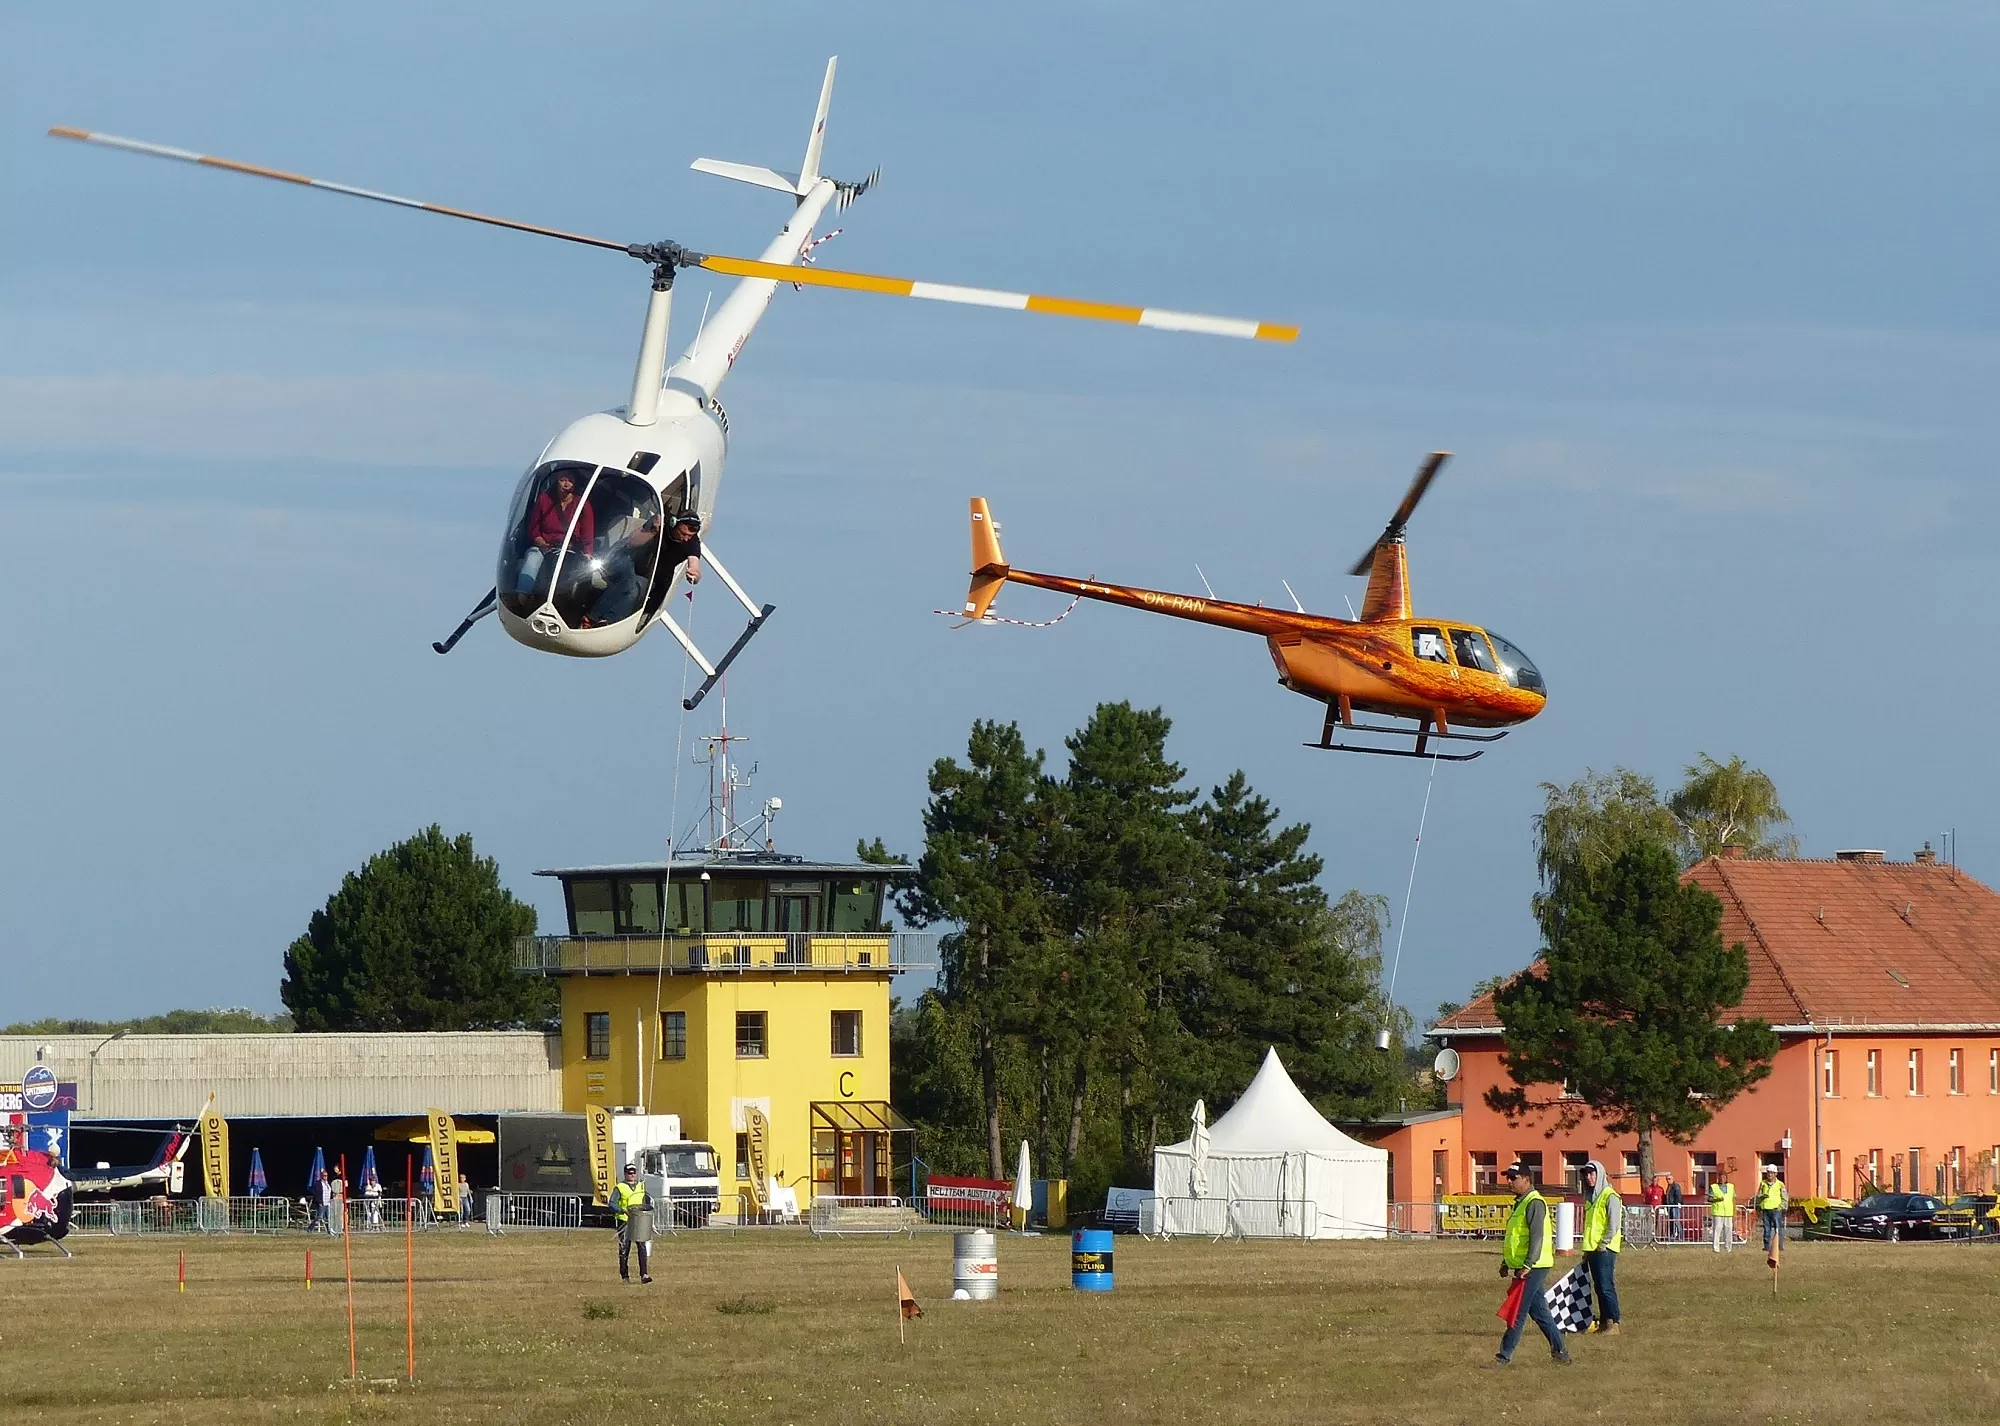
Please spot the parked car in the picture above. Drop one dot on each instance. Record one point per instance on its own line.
(1889, 1217)
(1967, 1216)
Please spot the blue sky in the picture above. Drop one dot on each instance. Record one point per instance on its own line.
(1700, 296)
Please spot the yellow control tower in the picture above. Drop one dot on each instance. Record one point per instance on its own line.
(731, 982)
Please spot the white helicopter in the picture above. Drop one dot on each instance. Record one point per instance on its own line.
(580, 567)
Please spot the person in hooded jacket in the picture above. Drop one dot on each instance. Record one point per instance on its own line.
(1603, 1236)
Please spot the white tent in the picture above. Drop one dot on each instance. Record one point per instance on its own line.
(1273, 1169)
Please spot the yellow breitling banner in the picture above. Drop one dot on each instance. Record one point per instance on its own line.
(601, 1150)
(1474, 1213)
(759, 1135)
(444, 1154)
(214, 1153)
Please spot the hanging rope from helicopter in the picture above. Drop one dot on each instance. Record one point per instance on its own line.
(1403, 927)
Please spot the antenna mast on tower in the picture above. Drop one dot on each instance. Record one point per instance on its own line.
(723, 834)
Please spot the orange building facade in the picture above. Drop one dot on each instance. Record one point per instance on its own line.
(1882, 980)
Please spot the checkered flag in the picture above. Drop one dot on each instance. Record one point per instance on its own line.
(1569, 1299)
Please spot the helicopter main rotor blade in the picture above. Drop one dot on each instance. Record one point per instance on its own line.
(1160, 317)
(113, 141)
(1401, 518)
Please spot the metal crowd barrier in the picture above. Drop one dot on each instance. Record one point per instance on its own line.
(122, 1217)
(960, 1210)
(534, 1210)
(834, 1215)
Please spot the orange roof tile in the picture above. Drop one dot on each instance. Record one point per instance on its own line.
(1848, 943)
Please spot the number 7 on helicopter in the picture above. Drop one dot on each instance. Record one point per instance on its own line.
(609, 518)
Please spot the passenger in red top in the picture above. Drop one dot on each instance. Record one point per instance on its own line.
(549, 522)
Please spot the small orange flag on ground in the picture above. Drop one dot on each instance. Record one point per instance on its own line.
(906, 1300)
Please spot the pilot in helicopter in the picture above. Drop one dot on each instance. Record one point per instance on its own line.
(623, 586)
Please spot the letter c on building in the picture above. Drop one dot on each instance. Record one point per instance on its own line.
(847, 1084)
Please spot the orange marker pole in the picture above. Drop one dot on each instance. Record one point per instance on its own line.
(309, 1269)
(410, 1274)
(181, 1274)
(347, 1251)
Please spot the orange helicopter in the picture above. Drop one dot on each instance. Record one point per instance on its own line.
(1445, 675)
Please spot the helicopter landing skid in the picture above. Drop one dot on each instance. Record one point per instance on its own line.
(714, 671)
(480, 611)
(1423, 733)
(1396, 752)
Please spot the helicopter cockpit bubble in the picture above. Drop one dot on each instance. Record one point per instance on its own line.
(608, 583)
(1516, 667)
(548, 501)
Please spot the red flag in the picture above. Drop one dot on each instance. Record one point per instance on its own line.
(906, 1301)
(1510, 1310)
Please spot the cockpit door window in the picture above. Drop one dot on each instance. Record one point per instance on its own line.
(1429, 644)
(550, 501)
(1516, 667)
(1470, 646)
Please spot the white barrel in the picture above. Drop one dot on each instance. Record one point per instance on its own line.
(1565, 1227)
(975, 1266)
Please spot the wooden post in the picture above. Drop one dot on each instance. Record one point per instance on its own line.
(181, 1274)
(347, 1252)
(309, 1269)
(410, 1270)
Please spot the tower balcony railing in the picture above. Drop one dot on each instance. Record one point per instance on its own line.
(729, 953)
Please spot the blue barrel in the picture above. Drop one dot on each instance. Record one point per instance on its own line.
(1090, 1260)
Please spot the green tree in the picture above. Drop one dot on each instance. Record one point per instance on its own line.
(420, 938)
(237, 1020)
(1586, 825)
(1136, 888)
(1285, 968)
(984, 865)
(1622, 1012)
(1730, 805)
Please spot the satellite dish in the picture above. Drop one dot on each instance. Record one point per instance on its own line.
(1445, 1066)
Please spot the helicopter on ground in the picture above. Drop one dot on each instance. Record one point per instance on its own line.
(1444, 674)
(581, 569)
(36, 1199)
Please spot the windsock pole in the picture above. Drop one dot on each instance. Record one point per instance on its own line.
(309, 1269)
(347, 1252)
(410, 1274)
(181, 1274)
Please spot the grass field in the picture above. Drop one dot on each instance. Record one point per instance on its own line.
(777, 1328)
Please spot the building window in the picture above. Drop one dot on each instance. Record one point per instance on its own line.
(1532, 1162)
(1630, 1168)
(1955, 1080)
(597, 1035)
(1829, 1074)
(1485, 1172)
(1916, 1170)
(751, 1042)
(1573, 1164)
(1916, 1074)
(736, 904)
(1874, 1074)
(639, 907)
(591, 908)
(847, 1033)
(1957, 1184)
(742, 1158)
(1705, 1172)
(1875, 1168)
(1831, 1188)
(853, 907)
(673, 1035)
(1993, 1071)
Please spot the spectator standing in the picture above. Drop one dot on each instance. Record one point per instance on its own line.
(1655, 1194)
(1722, 1214)
(1527, 1252)
(1603, 1236)
(1771, 1204)
(1676, 1216)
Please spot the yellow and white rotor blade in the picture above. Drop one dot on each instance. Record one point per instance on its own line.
(258, 171)
(1161, 317)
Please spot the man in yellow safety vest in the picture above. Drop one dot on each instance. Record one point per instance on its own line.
(1722, 1214)
(1603, 1236)
(1771, 1205)
(1527, 1252)
(627, 1199)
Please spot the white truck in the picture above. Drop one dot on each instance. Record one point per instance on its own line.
(682, 1176)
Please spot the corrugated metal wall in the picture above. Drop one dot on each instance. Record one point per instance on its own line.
(172, 1076)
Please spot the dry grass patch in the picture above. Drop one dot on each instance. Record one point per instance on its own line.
(777, 1328)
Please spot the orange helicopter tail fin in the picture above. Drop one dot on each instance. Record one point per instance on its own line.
(989, 566)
